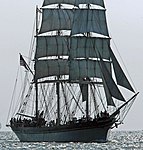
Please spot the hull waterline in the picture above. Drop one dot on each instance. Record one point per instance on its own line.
(43, 134)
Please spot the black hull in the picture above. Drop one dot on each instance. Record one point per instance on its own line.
(85, 132)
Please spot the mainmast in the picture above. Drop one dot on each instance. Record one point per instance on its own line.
(87, 99)
(58, 88)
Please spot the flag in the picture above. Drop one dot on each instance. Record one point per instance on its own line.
(23, 62)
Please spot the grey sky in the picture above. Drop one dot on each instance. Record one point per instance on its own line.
(125, 22)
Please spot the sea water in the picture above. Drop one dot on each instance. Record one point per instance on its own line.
(118, 140)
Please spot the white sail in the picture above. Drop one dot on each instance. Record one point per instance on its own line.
(89, 20)
(60, 19)
(74, 2)
(87, 47)
(79, 69)
(46, 68)
(52, 46)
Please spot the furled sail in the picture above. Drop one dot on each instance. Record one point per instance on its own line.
(74, 2)
(89, 20)
(60, 19)
(83, 47)
(52, 46)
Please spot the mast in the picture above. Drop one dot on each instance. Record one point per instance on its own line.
(36, 102)
(36, 85)
(58, 87)
(58, 102)
(87, 105)
(87, 99)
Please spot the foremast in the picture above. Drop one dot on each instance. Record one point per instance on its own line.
(36, 82)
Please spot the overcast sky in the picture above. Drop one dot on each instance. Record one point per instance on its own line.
(125, 22)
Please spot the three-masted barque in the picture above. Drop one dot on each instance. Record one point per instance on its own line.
(73, 85)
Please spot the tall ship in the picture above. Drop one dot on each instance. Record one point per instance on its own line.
(74, 88)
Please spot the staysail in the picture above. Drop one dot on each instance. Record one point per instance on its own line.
(120, 76)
